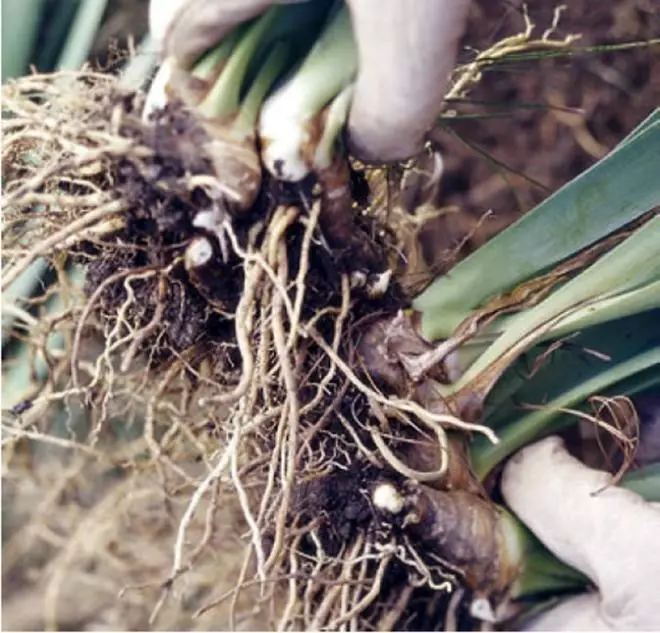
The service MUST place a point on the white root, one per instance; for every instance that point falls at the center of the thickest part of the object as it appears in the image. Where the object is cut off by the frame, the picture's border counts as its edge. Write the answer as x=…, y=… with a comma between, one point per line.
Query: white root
x=386, y=497
x=199, y=253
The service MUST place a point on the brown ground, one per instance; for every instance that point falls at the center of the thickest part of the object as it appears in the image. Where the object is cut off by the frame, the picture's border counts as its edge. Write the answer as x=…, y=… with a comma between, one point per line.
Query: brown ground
x=610, y=92
x=613, y=93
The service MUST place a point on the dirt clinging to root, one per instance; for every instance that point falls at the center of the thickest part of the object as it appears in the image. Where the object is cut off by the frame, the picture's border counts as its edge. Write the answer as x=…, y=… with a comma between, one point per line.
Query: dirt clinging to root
x=240, y=341
x=233, y=343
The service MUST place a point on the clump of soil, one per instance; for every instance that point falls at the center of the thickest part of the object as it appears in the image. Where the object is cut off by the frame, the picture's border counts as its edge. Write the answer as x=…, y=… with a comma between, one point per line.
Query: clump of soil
x=158, y=226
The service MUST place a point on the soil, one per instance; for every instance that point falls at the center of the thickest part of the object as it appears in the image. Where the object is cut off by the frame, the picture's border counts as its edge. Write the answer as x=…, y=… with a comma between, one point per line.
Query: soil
x=159, y=223
x=544, y=146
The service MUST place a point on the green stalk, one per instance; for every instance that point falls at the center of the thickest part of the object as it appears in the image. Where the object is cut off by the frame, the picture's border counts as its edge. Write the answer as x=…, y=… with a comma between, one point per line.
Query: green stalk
x=76, y=50
x=81, y=35
x=20, y=27
x=24, y=16
x=217, y=81
x=232, y=139
x=329, y=67
x=223, y=100
x=191, y=87
x=288, y=116
x=210, y=61
x=593, y=205
x=17, y=379
x=485, y=456
x=270, y=71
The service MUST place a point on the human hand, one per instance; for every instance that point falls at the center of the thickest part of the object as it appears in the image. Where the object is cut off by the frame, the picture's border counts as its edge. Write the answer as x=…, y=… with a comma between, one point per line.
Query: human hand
x=612, y=537
x=405, y=53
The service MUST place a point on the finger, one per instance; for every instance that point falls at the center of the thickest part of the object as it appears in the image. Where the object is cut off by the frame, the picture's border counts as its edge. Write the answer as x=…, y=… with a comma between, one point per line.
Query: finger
x=188, y=28
x=612, y=536
x=406, y=52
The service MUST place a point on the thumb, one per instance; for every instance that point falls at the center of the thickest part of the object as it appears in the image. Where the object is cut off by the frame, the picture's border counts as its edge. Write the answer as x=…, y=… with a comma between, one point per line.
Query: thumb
x=406, y=51
x=612, y=536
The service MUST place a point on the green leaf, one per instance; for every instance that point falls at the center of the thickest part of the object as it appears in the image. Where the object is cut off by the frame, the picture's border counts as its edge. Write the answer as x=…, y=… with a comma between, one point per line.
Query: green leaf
x=641, y=299
x=615, y=191
x=20, y=26
x=579, y=359
x=544, y=421
x=652, y=118
x=633, y=263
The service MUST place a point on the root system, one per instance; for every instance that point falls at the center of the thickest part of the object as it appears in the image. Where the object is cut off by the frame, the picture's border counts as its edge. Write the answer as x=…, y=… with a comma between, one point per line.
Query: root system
x=204, y=361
